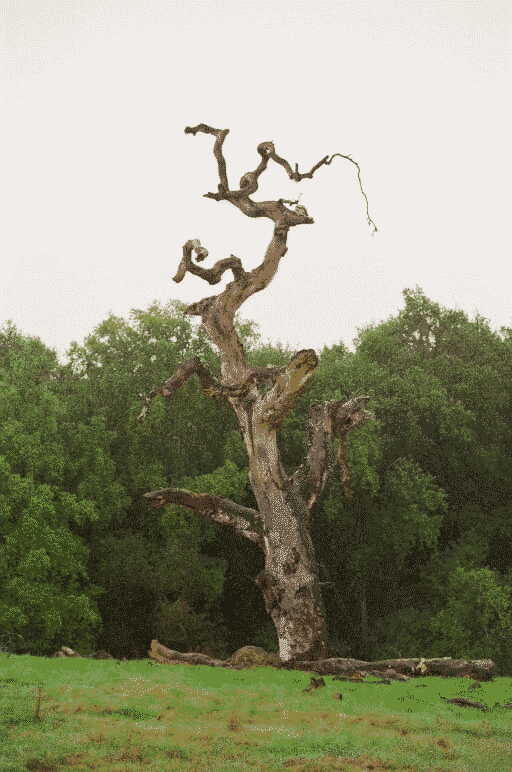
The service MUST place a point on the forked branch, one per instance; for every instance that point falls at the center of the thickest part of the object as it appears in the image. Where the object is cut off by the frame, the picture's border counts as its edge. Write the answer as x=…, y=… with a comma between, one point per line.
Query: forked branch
x=346, y=416
x=329, y=423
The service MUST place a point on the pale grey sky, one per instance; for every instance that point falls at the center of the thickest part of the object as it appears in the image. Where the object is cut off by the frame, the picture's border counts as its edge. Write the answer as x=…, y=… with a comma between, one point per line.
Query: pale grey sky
x=100, y=187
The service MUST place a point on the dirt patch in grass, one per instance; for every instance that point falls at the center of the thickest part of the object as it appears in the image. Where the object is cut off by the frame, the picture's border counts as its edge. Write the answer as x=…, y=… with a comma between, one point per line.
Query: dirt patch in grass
x=76, y=760
x=176, y=753
x=337, y=762
x=40, y=765
x=129, y=754
x=377, y=721
x=234, y=723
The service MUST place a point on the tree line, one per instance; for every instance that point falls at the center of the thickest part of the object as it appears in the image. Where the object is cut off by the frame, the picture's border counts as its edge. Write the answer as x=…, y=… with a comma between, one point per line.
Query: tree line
x=414, y=549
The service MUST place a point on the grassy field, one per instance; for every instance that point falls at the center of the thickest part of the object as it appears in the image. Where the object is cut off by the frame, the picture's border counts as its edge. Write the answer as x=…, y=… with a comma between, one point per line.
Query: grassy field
x=118, y=716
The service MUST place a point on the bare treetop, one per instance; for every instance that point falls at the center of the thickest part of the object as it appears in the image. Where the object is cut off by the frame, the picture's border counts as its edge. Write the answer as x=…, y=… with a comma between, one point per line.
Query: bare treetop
x=275, y=210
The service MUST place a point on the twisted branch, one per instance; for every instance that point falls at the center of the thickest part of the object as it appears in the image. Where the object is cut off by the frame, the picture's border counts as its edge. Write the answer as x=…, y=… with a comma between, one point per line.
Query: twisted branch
x=220, y=136
x=212, y=275
x=249, y=181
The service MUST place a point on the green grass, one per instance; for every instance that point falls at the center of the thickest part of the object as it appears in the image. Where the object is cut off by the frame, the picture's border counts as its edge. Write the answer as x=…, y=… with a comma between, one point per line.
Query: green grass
x=134, y=715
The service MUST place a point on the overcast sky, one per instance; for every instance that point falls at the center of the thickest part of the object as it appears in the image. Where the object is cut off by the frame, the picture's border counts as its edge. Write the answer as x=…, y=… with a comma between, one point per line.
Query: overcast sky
x=100, y=187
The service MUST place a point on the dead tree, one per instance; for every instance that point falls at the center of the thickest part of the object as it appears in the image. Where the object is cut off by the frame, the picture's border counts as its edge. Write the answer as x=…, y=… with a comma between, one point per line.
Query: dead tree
x=261, y=399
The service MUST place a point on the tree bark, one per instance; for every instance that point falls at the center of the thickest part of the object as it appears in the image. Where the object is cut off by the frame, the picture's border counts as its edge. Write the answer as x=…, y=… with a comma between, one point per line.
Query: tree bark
x=261, y=398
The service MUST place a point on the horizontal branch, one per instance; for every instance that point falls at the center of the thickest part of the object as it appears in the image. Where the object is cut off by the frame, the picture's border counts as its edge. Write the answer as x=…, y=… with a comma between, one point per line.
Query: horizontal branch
x=210, y=386
x=246, y=521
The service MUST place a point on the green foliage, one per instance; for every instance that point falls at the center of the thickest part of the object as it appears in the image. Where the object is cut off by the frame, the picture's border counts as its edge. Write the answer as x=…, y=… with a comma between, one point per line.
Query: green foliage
x=143, y=560
x=421, y=541
x=476, y=617
x=46, y=598
x=431, y=477
x=44, y=595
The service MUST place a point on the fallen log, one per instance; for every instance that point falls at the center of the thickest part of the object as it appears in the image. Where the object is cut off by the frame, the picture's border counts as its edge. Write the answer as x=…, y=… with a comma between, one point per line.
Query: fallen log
x=329, y=666
x=390, y=674
x=395, y=669
x=482, y=669
x=160, y=653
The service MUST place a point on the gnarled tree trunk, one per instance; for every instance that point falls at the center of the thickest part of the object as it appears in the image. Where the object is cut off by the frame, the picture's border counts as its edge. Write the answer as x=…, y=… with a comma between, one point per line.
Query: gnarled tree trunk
x=261, y=398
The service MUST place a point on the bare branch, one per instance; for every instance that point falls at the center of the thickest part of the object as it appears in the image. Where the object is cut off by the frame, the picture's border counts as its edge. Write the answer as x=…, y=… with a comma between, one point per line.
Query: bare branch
x=218, y=311
x=220, y=136
x=211, y=275
x=210, y=386
x=345, y=417
x=275, y=210
x=349, y=158
x=294, y=174
x=246, y=521
x=326, y=160
x=310, y=478
x=328, y=421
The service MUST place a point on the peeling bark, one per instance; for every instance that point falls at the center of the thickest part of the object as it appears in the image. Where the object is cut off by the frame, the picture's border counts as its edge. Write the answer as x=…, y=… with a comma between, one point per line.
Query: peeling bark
x=280, y=526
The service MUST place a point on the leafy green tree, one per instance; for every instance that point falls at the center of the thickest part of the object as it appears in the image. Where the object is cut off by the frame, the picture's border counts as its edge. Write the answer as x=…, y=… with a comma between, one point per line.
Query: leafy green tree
x=45, y=596
x=431, y=477
x=142, y=560
x=476, y=618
